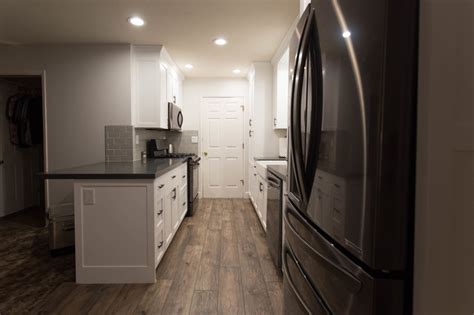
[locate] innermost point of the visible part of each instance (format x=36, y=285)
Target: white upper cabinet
x=155, y=82
x=280, y=103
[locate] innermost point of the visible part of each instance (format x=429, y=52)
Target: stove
x=157, y=149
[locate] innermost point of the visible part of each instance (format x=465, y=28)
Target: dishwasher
x=274, y=217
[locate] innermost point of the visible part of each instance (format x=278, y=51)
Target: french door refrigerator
x=349, y=216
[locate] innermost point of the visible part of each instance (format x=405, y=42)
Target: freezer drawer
x=319, y=279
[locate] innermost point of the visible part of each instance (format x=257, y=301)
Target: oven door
x=175, y=117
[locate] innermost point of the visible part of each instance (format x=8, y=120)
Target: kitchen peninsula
x=126, y=215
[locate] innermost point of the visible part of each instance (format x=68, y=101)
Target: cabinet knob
x=184, y=203
x=274, y=122
x=161, y=186
x=161, y=244
x=184, y=176
x=160, y=212
x=173, y=177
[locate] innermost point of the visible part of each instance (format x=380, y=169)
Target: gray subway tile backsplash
x=119, y=143
x=181, y=141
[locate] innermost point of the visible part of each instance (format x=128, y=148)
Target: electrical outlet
x=88, y=197
x=194, y=139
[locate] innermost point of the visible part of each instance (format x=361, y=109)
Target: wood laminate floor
x=218, y=263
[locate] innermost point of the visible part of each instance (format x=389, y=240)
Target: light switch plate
x=88, y=197
x=194, y=139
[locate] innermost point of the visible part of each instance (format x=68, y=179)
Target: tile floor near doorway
x=218, y=263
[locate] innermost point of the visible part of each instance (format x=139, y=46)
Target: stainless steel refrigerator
x=349, y=215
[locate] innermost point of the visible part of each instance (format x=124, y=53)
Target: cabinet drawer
x=159, y=210
x=160, y=244
x=183, y=200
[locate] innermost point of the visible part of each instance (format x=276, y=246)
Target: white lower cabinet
x=123, y=227
x=258, y=196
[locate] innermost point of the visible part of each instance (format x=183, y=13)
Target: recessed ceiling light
x=188, y=66
x=346, y=34
x=220, y=41
x=135, y=20
x=236, y=71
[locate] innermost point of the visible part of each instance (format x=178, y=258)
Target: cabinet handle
x=337, y=186
x=160, y=212
x=274, y=122
x=250, y=122
x=173, y=177
x=184, y=176
x=161, y=244
x=261, y=185
x=161, y=186
x=174, y=194
x=250, y=133
x=184, y=203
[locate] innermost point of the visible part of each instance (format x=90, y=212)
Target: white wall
x=87, y=87
x=444, y=232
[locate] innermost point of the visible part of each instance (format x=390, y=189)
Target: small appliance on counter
x=159, y=149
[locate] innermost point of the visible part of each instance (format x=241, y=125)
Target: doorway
x=22, y=149
x=222, y=147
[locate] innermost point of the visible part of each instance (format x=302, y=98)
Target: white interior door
x=222, y=146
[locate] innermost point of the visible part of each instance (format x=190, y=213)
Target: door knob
x=205, y=153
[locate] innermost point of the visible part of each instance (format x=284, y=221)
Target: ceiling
x=253, y=28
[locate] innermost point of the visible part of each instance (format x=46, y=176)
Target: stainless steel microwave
x=175, y=117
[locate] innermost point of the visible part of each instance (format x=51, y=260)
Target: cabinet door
x=264, y=203
x=169, y=86
x=175, y=208
x=146, y=86
x=168, y=220
x=280, y=111
x=163, y=97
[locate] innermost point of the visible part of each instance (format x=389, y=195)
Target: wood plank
x=197, y=235
x=270, y=271
x=181, y=293
x=58, y=295
x=81, y=299
x=128, y=299
x=254, y=287
x=108, y=293
x=231, y=300
x=168, y=267
x=215, y=219
x=204, y=302
x=275, y=291
x=154, y=299
x=208, y=274
x=229, y=247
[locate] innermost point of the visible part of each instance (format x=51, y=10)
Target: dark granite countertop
x=274, y=158
x=152, y=169
x=279, y=170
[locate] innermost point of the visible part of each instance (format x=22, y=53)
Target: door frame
x=42, y=74
x=244, y=139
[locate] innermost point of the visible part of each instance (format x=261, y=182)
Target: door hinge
x=243, y=146
x=243, y=107
x=242, y=181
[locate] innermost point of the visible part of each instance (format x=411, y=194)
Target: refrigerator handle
x=316, y=102
x=295, y=114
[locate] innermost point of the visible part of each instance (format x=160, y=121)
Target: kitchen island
x=126, y=215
